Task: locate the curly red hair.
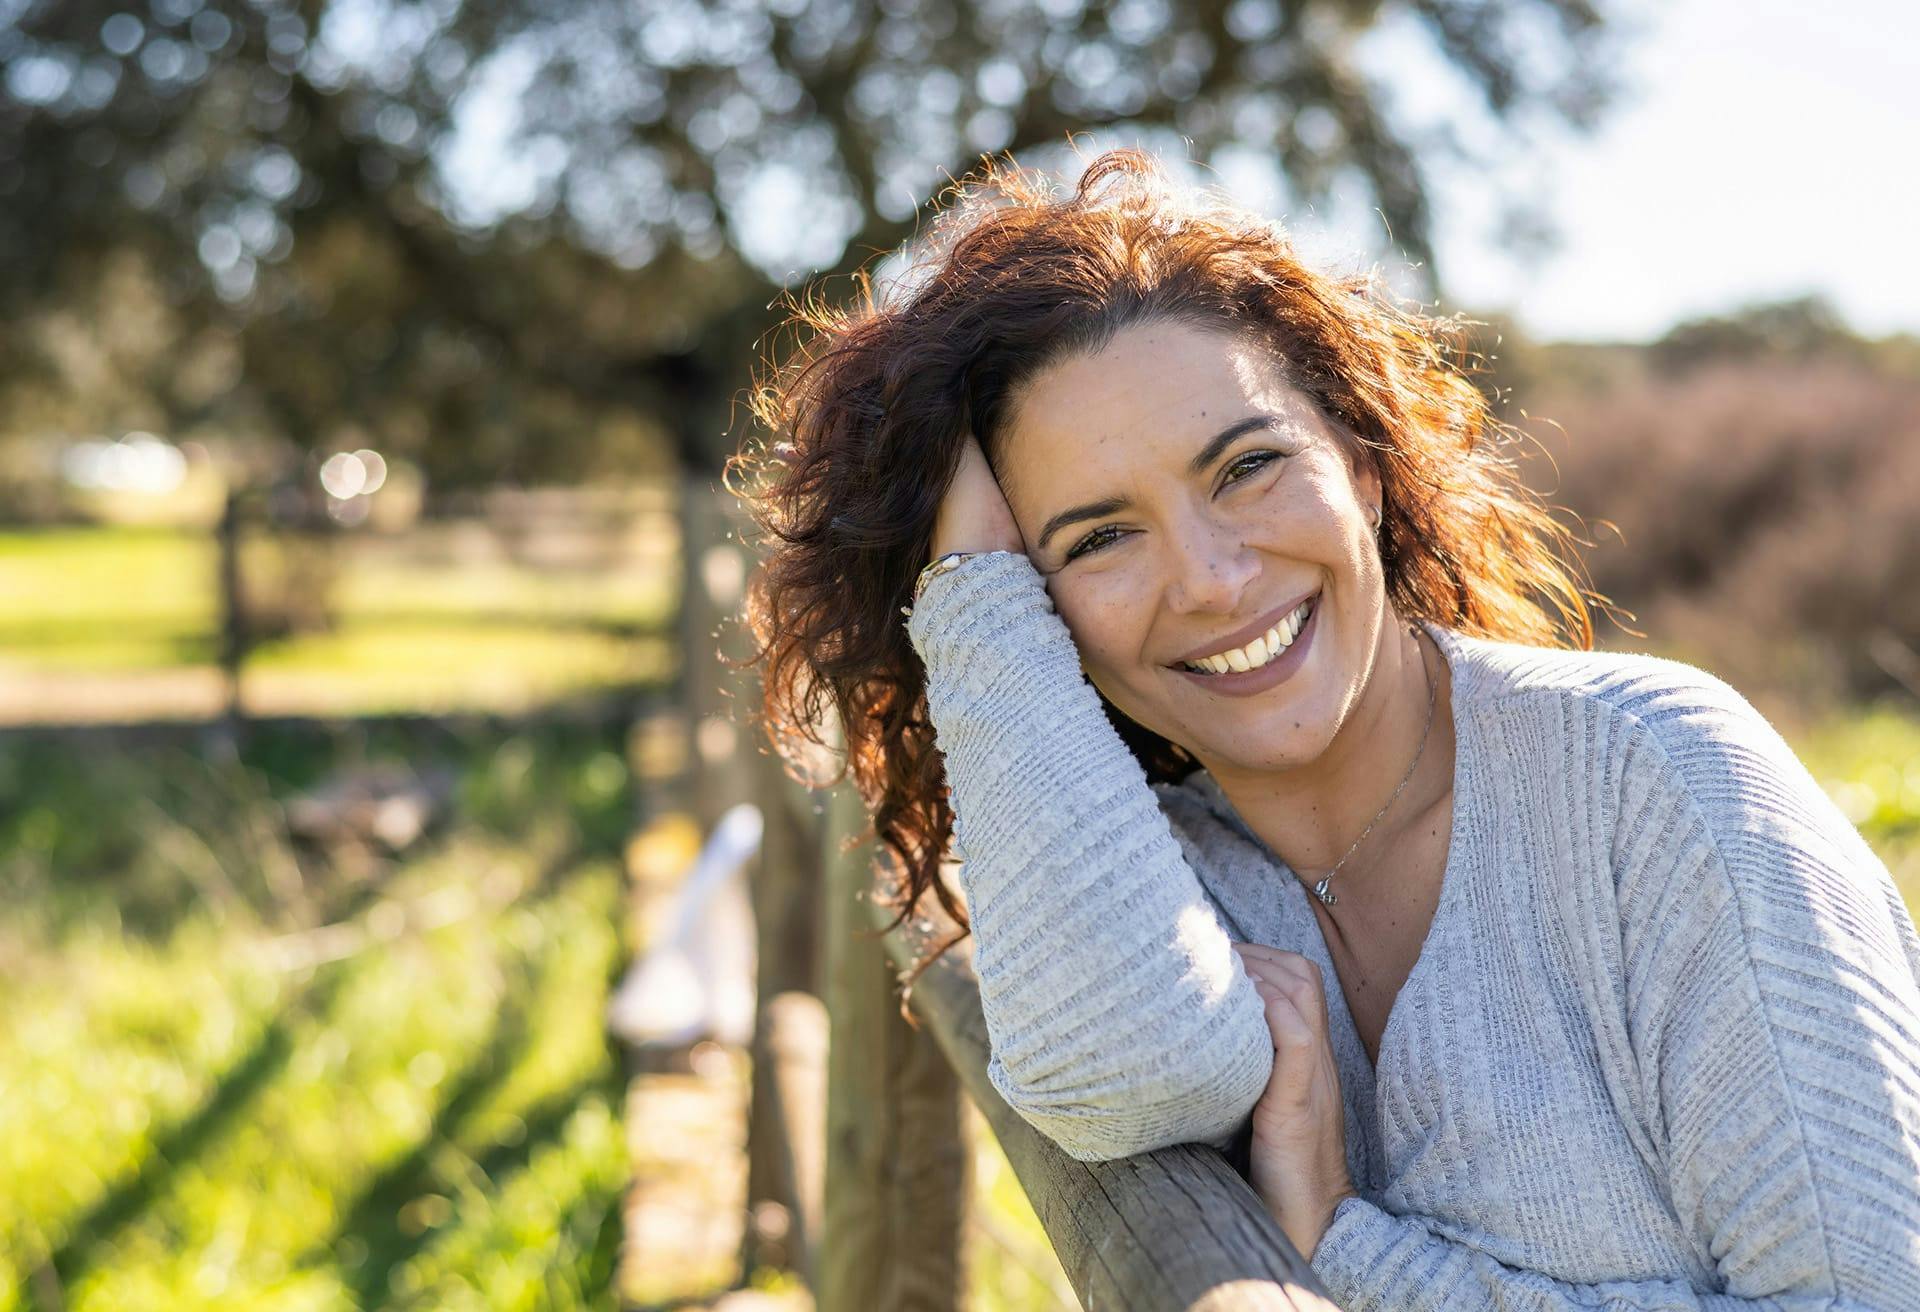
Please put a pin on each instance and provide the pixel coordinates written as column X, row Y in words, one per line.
column 868, row 417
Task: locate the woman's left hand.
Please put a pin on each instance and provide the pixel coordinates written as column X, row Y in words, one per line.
column 1299, row 1151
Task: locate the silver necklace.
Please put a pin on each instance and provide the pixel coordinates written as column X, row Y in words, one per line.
column 1320, row 889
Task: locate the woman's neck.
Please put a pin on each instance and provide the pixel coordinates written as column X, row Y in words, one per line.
column 1310, row 815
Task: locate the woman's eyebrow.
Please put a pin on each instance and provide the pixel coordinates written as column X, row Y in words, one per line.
column 1108, row 505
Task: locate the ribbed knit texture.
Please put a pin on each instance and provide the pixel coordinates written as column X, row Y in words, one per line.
column 1661, row 1048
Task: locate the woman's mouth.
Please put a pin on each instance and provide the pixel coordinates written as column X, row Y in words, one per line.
column 1261, row 663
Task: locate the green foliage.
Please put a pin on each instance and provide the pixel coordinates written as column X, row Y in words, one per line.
column 1869, row 763
column 407, row 1103
column 1798, row 328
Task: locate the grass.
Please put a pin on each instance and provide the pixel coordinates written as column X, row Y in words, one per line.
column 200, row 1110
column 1869, row 763
column 448, row 666
column 137, row 575
column 444, row 617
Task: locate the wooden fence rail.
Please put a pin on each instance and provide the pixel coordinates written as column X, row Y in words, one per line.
column 1174, row 1228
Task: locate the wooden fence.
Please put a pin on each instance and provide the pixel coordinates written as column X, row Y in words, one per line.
column 871, row 1174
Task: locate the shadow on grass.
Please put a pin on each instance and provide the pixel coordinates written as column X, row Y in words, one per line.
column 375, row 1220
column 189, row 1136
column 373, row 1217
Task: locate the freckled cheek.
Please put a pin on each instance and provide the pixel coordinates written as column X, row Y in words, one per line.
column 1318, row 538
column 1109, row 632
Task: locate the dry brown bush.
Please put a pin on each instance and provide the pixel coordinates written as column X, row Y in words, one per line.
column 1767, row 515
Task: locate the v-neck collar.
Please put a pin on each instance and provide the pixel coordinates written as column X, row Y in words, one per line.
column 1451, row 875
column 1358, row 1073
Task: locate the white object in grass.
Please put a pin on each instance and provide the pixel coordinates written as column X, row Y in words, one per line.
column 697, row 982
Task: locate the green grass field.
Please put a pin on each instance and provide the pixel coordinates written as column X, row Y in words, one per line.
column 400, row 1097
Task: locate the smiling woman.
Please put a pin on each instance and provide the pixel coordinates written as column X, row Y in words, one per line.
column 1268, row 521
column 872, row 417
column 1559, row 982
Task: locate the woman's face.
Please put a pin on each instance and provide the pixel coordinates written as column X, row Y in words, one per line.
column 1181, row 499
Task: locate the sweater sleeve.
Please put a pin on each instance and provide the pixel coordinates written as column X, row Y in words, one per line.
column 1772, row 994
column 1118, row 1017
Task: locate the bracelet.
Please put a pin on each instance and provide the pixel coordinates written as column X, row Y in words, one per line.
column 934, row 570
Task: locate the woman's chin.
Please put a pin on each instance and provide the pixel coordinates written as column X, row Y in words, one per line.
column 1289, row 738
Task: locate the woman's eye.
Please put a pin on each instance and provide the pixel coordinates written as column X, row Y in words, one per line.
column 1237, row 472
column 1092, row 541
column 1249, row 463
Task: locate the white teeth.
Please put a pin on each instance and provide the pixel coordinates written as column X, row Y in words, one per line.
column 1261, row 650
column 1298, row 620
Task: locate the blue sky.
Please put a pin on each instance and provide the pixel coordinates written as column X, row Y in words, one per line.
column 1757, row 150
column 1761, row 149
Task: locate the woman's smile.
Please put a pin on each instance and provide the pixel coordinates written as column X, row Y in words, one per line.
column 1285, row 656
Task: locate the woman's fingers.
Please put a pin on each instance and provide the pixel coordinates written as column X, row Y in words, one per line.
column 1291, row 1002
column 1286, row 1020
column 1260, row 954
column 1291, row 981
column 1293, row 987
column 1280, row 966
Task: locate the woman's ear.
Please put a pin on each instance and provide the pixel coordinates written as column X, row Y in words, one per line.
column 1362, row 464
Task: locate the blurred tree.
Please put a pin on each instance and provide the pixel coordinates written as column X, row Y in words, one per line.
column 517, row 239
column 1797, row 328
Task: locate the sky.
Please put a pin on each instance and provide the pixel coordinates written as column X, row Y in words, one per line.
column 1761, row 149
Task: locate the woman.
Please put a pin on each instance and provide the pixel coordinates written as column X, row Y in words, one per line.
column 1291, row 800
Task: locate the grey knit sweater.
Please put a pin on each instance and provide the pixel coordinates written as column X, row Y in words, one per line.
column 1661, row 1048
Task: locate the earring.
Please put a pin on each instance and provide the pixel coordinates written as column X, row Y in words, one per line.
column 1373, row 517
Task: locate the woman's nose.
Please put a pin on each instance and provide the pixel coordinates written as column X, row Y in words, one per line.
column 1211, row 569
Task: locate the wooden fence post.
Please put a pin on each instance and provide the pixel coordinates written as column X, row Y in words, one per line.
column 233, row 618
column 791, row 1030
column 730, row 766
column 899, row 1171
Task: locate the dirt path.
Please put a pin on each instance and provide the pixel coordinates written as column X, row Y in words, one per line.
column 686, row 1134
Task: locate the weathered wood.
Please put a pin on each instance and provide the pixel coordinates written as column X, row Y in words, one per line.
column 730, row 767
column 898, row 1165
column 1176, row 1228
column 792, row 1034
column 796, row 1028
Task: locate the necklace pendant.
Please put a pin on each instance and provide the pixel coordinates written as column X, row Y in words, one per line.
column 1321, row 891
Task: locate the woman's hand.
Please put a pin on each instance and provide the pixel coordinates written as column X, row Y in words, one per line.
column 974, row 515
column 1299, row 1151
